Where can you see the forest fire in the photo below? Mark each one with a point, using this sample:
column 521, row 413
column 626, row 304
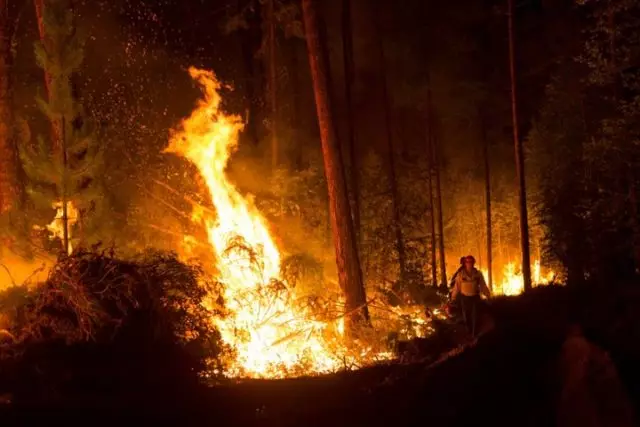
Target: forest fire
column 512, row 282
column 269, row 333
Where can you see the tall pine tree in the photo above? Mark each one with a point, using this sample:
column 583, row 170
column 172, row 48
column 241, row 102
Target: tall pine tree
column 63, row 174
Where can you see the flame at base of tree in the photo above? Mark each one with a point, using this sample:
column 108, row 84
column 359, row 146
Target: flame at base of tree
column 512, row 282
column 271, row 330
column 56, row 226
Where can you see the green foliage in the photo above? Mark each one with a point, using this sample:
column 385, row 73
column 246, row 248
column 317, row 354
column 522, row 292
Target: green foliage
column 69, row 164
column 584, row 146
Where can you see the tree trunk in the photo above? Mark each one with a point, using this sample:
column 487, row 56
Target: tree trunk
column 487, row 195
column 432, row 222
column 393, row 182
column 436, row 167
column 349, row 272
column 519, row 154
column 272, row 79
column 56, row 127
column 248, row 48
column 295, row 111
column 65, row 198
column 8, row 170
column 347, row 51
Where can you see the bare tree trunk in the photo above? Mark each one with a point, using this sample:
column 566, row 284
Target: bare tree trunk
column 248, row 48
column 65, row 199
column 349, row 272
column 295, row 112
column 432, row 222
column 8, row 170
column 487, row 196
column 272, row 80
column 436, row 167
column 393, row 181
column 522, row 190
column 347, row 51
column 56, row 126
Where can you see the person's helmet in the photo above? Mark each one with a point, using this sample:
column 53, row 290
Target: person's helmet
column 470, row 258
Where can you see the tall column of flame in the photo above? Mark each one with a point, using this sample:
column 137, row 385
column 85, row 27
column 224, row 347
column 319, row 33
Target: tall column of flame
column 268, row 334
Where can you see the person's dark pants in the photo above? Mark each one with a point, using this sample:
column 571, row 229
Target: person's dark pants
column 470, row 306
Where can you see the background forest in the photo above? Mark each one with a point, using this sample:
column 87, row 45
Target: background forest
column 422, row 101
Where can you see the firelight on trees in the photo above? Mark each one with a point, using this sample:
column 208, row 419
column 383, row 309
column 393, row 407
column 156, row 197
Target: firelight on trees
column 267, row 325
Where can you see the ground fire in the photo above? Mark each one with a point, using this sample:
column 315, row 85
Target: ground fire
column 268, row 331
column 271, row 333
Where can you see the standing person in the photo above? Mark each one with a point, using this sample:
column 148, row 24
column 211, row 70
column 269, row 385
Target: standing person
column 469, row 284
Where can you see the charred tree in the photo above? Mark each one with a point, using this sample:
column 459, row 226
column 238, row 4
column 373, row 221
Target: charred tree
column 8, row 156
column 391, row 161
column 487, row 195
column 349, row 272
column 519, row 158
column 349, row 75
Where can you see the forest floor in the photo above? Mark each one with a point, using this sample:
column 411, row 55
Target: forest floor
column 512, row 375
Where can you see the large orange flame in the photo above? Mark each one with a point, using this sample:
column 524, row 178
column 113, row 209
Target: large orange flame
column 271, row 335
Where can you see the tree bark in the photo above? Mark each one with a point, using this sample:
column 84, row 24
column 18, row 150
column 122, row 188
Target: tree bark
column 487, row 195
column 295, row 123
column 519, row 157
column 8, row 156
column 432, row 222
column 347, row 51
column 272, row 80
column 349, row 272
column 436, row 167
column 248, row 48
column 65, row 198
column 56, row 126
column 393, row 181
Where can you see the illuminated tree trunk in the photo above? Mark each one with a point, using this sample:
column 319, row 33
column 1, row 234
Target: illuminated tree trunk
column 393, row 181
column 56, row 126
column 295, row 111
column 432, row 221
column 436, row 164
column 519, row 155
column 347, row 51
column 432, row 215
column 272, row 83
column 487, row 197
column 249, row 44
column 8, row 170
column 349, row 273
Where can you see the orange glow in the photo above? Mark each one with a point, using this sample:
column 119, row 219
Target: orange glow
column 56, row 227
column 271, row 333
column 512, row 282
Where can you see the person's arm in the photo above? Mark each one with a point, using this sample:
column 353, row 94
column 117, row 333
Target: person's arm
column 484, row 289
column 456, row 288
column 452, row 283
